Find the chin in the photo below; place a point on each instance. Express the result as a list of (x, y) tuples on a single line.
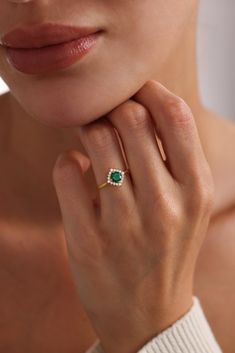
[(70, 102), (63, 109), (68, 110)]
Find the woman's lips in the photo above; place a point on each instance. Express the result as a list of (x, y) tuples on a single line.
[(50, 58), (43, 48)]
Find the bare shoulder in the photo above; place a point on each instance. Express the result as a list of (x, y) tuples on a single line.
[(214, 278), (4, 96), (218, 139), (215, 270), (224, 128)]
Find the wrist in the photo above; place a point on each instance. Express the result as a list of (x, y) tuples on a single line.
[(130, 336)]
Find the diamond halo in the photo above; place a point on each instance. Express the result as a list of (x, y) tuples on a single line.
[(115, 177)]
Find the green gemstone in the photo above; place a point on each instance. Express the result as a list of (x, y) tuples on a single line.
[(116, 177)]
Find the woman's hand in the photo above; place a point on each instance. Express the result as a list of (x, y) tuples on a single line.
[(133, 257)]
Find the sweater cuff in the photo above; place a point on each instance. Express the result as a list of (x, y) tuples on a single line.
[(190, 334)]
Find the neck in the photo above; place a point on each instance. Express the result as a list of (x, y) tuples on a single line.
[(179, 73)]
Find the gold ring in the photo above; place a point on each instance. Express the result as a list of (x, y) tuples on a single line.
[(114, 177)]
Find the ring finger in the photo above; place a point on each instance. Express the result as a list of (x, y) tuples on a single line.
[(102, 145), (136, 128)]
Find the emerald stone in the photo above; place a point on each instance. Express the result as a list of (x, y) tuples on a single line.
[(116, 177)]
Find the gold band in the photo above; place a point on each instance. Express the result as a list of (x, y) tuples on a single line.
[(106, 183)]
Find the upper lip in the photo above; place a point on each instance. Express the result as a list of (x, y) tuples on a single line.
[(41, 35)]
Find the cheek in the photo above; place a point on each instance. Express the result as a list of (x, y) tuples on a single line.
[(156, 27)]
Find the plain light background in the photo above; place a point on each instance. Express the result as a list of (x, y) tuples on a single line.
[(216, 56)]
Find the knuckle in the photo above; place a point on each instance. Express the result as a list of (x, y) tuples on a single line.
[(202, 193), (169, 210), (178, 110), (101, 135), (135, 115), (65, 164), (206, 195), (174, 216), (152, 84)]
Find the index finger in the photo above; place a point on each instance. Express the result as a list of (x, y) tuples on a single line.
[(176, 128)]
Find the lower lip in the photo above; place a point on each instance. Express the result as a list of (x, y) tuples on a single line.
[(51, 58)]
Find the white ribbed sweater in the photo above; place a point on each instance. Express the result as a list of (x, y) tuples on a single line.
[(190, 334)]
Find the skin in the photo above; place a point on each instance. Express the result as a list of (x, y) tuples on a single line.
[(158, 260), (52, 317)]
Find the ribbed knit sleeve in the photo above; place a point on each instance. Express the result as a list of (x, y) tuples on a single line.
[(190, 334)]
